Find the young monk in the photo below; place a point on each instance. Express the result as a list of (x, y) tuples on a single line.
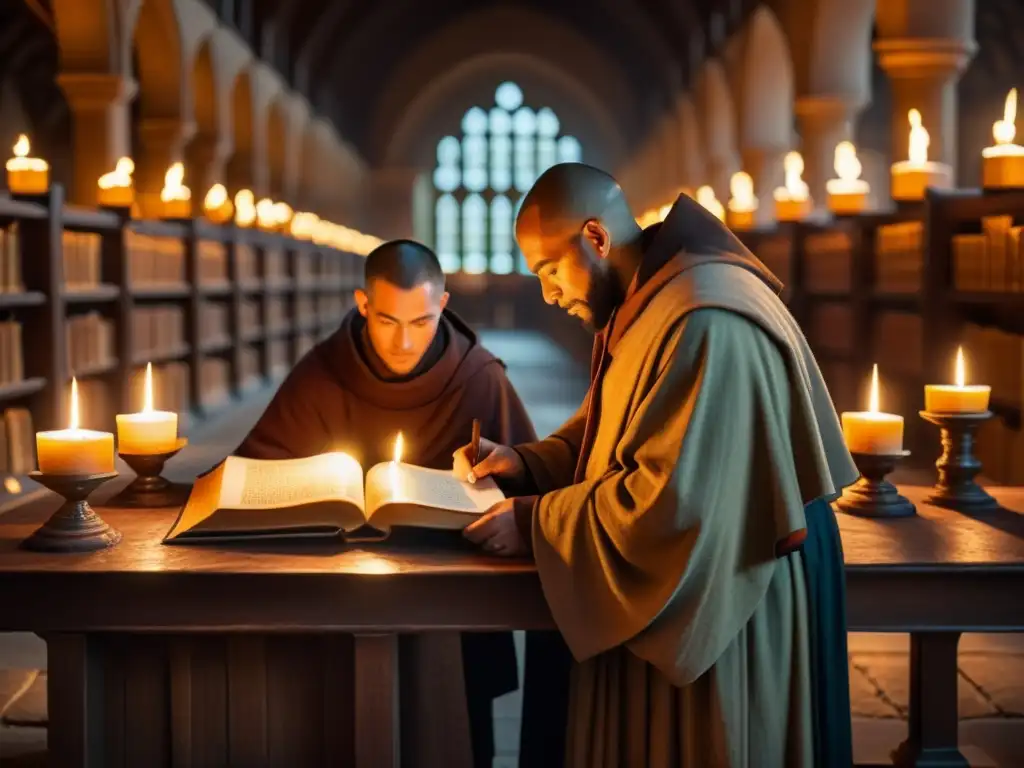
[(401, 362), (681, 525)]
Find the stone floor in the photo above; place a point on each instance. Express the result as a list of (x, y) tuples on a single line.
[(991, 666)]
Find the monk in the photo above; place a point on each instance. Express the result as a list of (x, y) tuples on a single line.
[(402, 362), (681, 523)]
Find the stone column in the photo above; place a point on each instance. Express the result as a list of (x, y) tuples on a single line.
[(161, 143), (824, 122), (100, 121), (206, 163), (924, 75)]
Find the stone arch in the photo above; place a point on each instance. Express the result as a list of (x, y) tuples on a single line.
[(89, 35), (240, 166), (277, 139), (161, 60), (840, 49), (718, 125), (299, 114), (207, 150), (766, 105), (412, 138)]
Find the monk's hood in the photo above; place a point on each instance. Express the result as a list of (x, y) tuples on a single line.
[(463, 358), (692, 231)]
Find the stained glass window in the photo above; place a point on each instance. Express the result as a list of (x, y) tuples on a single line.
[(481, 178)]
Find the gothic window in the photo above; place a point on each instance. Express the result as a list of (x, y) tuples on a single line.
[(481, 177)]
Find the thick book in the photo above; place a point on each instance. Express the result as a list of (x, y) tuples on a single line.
[(325, 495)]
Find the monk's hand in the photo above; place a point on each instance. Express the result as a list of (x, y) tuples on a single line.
[(497, 533), (493, 459)]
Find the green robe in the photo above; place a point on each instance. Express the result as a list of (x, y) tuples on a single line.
[(671, 558)]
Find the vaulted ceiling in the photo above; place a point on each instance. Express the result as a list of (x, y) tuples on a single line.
[(351, 57)]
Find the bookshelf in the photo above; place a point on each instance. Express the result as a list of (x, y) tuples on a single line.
[(903, 289), (220, 311)]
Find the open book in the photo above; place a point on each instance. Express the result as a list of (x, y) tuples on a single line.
[(323, 496)]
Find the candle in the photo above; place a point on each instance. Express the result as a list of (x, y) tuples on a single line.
[(27, 175), (176, 197), (283, 214), (911, 177), (245, 208), (394, 474), (303, 225), (150, 431), (742, 201), (75, 451), (872, 431), (115, 187), (266, 218), (217, 206), (792, 201), (959, 397), (1002, 165), (706, 197), (847, 194)]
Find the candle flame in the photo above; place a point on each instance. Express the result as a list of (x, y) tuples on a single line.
[(795, 187), (216, 197), (147, 394), (741, 191), (21, 146), (73, 420), (1004, 130), (121, 176), (917, 150), (245, 208), (961, 368), (12, 485), (848, 167), (174, 189), (397, 458), (265, 213), (706, 197), (873, 404)]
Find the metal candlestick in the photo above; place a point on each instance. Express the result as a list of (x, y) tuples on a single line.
[(958, 465), (872, 495), (149, 488), (75, 527)]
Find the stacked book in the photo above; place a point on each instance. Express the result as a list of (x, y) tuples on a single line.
[(90, 342), (158, 331)]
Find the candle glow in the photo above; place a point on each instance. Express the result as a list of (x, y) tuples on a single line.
[(1002, 165), (266, 214), (174, 188), (741, 190), (217, 205), (27, 175), (872, 431), (959, 397), (150, 431), (706, 197), (75, 451), (848, 169), (397, 455), (115, 187), (795, 188), (245, 208), (911, 177)]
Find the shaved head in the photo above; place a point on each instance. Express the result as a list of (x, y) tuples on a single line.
[(579, 236)]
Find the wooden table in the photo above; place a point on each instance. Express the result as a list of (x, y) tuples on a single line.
[(189, 656), (936, 575)]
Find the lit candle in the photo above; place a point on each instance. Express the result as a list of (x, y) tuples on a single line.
[(150, 431), (394, 473), (1002, 165), (75, 451), (283, 214), (911, 177), (959, 397), (792, 201), (27, 175), (245, 208), (176, 197), (217, 206), (266, 215), (115, 187), (742, 201), (303, 225), (706, 197), (871, 431), (847, 194)]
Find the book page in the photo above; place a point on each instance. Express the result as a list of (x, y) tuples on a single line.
[(259, 484), (391, 483)]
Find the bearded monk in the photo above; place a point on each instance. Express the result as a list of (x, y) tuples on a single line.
[(681, 523), (402, 362)]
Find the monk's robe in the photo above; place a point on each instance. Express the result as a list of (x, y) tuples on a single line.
[(340, 396), (691, 559)]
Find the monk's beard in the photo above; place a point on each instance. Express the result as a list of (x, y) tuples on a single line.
[(603, 297)]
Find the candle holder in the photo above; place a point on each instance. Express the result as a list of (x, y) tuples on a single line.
[(150, 489), (75, 527), (958, 465), (872, 495)]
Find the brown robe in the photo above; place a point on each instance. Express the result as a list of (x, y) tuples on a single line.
[(667, 536), (340, 396)]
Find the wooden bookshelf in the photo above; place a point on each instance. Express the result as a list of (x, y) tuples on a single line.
[(903, 289), (97, 295)]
